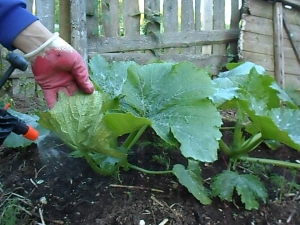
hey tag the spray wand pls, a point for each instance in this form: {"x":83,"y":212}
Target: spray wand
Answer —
{"x":8,"y":122}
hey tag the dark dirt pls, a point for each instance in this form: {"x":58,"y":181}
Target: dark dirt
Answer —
{"x":57,"y":189}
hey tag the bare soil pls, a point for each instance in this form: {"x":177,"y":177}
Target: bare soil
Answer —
{"x":55,"y":189}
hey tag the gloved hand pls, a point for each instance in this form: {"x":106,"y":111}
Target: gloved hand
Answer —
{"x":57,"y":66}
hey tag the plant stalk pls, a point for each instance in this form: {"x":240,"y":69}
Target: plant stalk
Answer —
{"x":250,"y":144}
{"x":150,"y":171}
{"x":270,"y":161}
{"x":224,"y":147}
{"x":133,"y":137}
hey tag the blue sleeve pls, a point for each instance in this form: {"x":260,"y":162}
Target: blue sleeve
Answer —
{"x":14,"y":18}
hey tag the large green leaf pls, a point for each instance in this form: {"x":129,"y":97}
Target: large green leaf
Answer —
{"x":77,"y":120}
{"x":280,"y":124}
{"x":175,"y":98}
{"x":191,"y":179}
{"x":252,"y":81}
{"x":109,"y":76}
{"x":248,"y":186}
{"x":226,"y":91}
{"x":124,"y":123}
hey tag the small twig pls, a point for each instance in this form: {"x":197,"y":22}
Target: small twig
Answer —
{"x":163,"y":222}
{"x":164,"y":204}
{"x":158,"y":202}
{"x":289,"y":219}
{"x":33,"y":182}
{"x":41,"y":216}
{"x":153,"y":216}
{"x":136,"y":187}
{"x":37,"y":172}
{"x":48,"y":220}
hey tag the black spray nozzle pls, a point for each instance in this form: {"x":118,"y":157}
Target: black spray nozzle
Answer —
{"x":10,"y":123}
{"x":16,"y":62}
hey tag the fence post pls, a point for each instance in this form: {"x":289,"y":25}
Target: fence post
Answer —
{"x":78,"y":27}
{"x":278,"y":44}
{"x":45,"y":11}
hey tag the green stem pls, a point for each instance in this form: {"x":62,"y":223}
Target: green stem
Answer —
{"x":92,"y":164}
{"x":270,"y":161}
{"x":133,"y":137}
{"x":227,"y":128}
{"x":150,"y":171}
{"x":224,"y":147}
{"x":250,"y":144}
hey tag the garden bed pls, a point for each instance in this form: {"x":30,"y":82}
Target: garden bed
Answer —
{"x":57,"y":189}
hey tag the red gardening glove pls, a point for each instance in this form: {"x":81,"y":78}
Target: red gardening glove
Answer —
{"x":57,"y":66}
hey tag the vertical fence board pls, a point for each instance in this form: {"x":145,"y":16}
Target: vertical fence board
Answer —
{"x":92,"y":19}
{"x":207,"y":21}
{"x":45,"y":10}
{"x":152,"y":13}
{"x":78,"y":25}
{"x":64,"y":20}
{"x":278,"y":44}
{"x":198,"y":22}
{"x":170,"y":15}
{"x":110,"y":17}
{"x":153,"y":22}
{"x":219,"y":24}
{"x":131,"y":17}
{"x":187,"y":21}
{"x":234,"y":23}
{"x":29,"y":5}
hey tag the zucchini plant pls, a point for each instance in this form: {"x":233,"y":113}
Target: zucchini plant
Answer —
{"x":181,"y":103}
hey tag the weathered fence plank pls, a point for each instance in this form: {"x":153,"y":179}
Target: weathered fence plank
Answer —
{"x":29,"y":4}
{"x":234,"y":24}
{"x":207,"y":18}
{"x":92,"y":19}
{"x":78,"y":25}
{"x":170,"y":24}
{"x":292,"y":40}
{"x":278,"y":44}
{"x":110,"y":17}
{"x":45,"y":10}
{"x":131,"y":17}
{"x":182,"y":39}
{"x":264,"y":9}
{"x":65,"y":20}
{"x":198,"y":22}
{"x":187,"y":22}
{"x":219,"y":24}
{"x":199,"y":60}
{"x":152,"y":15}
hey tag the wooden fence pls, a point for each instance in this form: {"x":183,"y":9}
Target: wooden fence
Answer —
{"x":146,"y":30}
{"x":270,"y":36}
